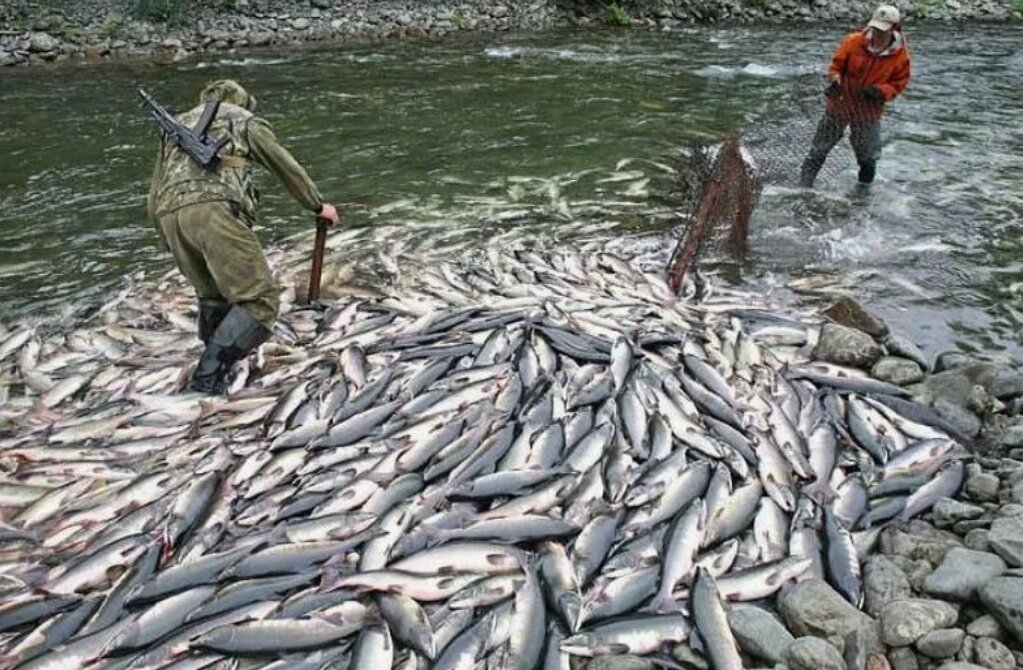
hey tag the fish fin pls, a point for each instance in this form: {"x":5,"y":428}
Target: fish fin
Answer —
{"x":618,"y":648}
{"x":664,"y":603}
{"x":330,"y":578}
{"x":820,"y":492}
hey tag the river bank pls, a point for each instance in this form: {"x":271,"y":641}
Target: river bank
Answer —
{"x":40,"y":31}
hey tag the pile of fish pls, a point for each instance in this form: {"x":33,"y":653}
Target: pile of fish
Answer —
{"x":508,"y":462}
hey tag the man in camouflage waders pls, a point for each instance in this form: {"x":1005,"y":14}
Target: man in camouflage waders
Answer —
{"x":205,"y":217}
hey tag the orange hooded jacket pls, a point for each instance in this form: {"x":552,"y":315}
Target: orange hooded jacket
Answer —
{"x":857,"y":68}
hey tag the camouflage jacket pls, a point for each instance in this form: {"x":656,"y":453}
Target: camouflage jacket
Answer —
{"x":178,"y":181}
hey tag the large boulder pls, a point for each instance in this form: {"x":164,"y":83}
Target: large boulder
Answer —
{"x":812,"y":607}
{"x":42,"y":43}
{"x":849,"y":313}
{"x":846,"y":346}
{"x":961,"y":573}
{"x":905,"y":621}
{"x":1003,"y":598}
{"x":758,"y":632}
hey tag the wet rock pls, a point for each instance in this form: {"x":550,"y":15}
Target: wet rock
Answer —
{"x":898,"y":371}
{"x":301,"y":23}
{"x":941,"y":643}
{"x":42,"y":43}
{"x":1010,"y":435}
{"x":812,"y":607}
{"x":1006,"y":384}
{"x":961,"y":573}
{"x":813,"y":653}
{"x":902,"y":346}
{"x":992,"y":654}
{"x":905,"y":621}
{"x":950,"y":360}
{"x":849,"y":313}
{"x":961,"y":418}
{"x":982,"y":486}
{"x":984,"y":626}
{"x":883,"y":582}
{"x":947,"y":512}
{"x":1006,"y":539}
{"x":620,"y":663}
{"x":846,"y":346}
{"x":758,"y":632}
{"x":1003,"y":598}
{"x":322,"y":4}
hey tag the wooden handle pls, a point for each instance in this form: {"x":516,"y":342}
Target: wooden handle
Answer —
{"x":317,"y":269}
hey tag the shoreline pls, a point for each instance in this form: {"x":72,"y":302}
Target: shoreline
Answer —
{"x":98,"y":30}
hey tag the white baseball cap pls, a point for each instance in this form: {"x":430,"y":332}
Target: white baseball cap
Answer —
{"x":884,"y":18}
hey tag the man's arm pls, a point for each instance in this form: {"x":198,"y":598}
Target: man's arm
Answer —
{"x":836,"y":71}
{"x":154,"y":184}
{"x":899,"y":80}
{"x":269,"y":153}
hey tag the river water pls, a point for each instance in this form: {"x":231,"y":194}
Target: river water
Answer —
{"x":445,"y":145}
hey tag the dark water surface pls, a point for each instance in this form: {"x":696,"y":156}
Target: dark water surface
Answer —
{"x":454,"y":141}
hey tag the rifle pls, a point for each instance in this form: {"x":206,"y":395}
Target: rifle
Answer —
{"x":193,"y":141}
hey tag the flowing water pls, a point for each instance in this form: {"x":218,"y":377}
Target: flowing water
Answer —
{"x":443,"y":146}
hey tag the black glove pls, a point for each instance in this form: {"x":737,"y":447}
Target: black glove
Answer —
{"x":873,"y":93}
{"x":834,"y":90}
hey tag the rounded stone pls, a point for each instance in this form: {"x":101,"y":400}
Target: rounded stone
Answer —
{"x":898,"y":371}
{"x":846,"y":346}
{"x":961,"y":573}
{"x":905,"y":621}
{"x":984,"y":626}
{"x":813,"y":653}
{"x":1003,"y":598}
{"x":992,"y":654}
{"x":941,"y":643}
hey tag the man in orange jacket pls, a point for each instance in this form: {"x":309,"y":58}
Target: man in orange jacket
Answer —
{"x":870,"y":68}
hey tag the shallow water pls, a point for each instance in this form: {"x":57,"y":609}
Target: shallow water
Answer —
{"x":440,"y":146}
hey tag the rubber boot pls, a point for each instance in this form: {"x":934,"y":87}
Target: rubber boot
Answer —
{"x":237,"y":335}
{"x":808,"y":173}
{"x":867,"y":171}
{"x":211,"y":313}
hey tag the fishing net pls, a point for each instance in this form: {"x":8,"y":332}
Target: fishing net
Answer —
{"x":721,"y":184}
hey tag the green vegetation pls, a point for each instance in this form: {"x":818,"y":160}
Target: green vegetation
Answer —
{"x":618,"y":15}
{"x":1019,"y":6}
{"x":113,"y":27}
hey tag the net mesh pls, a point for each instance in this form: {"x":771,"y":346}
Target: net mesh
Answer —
{"x":720,"y":185}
